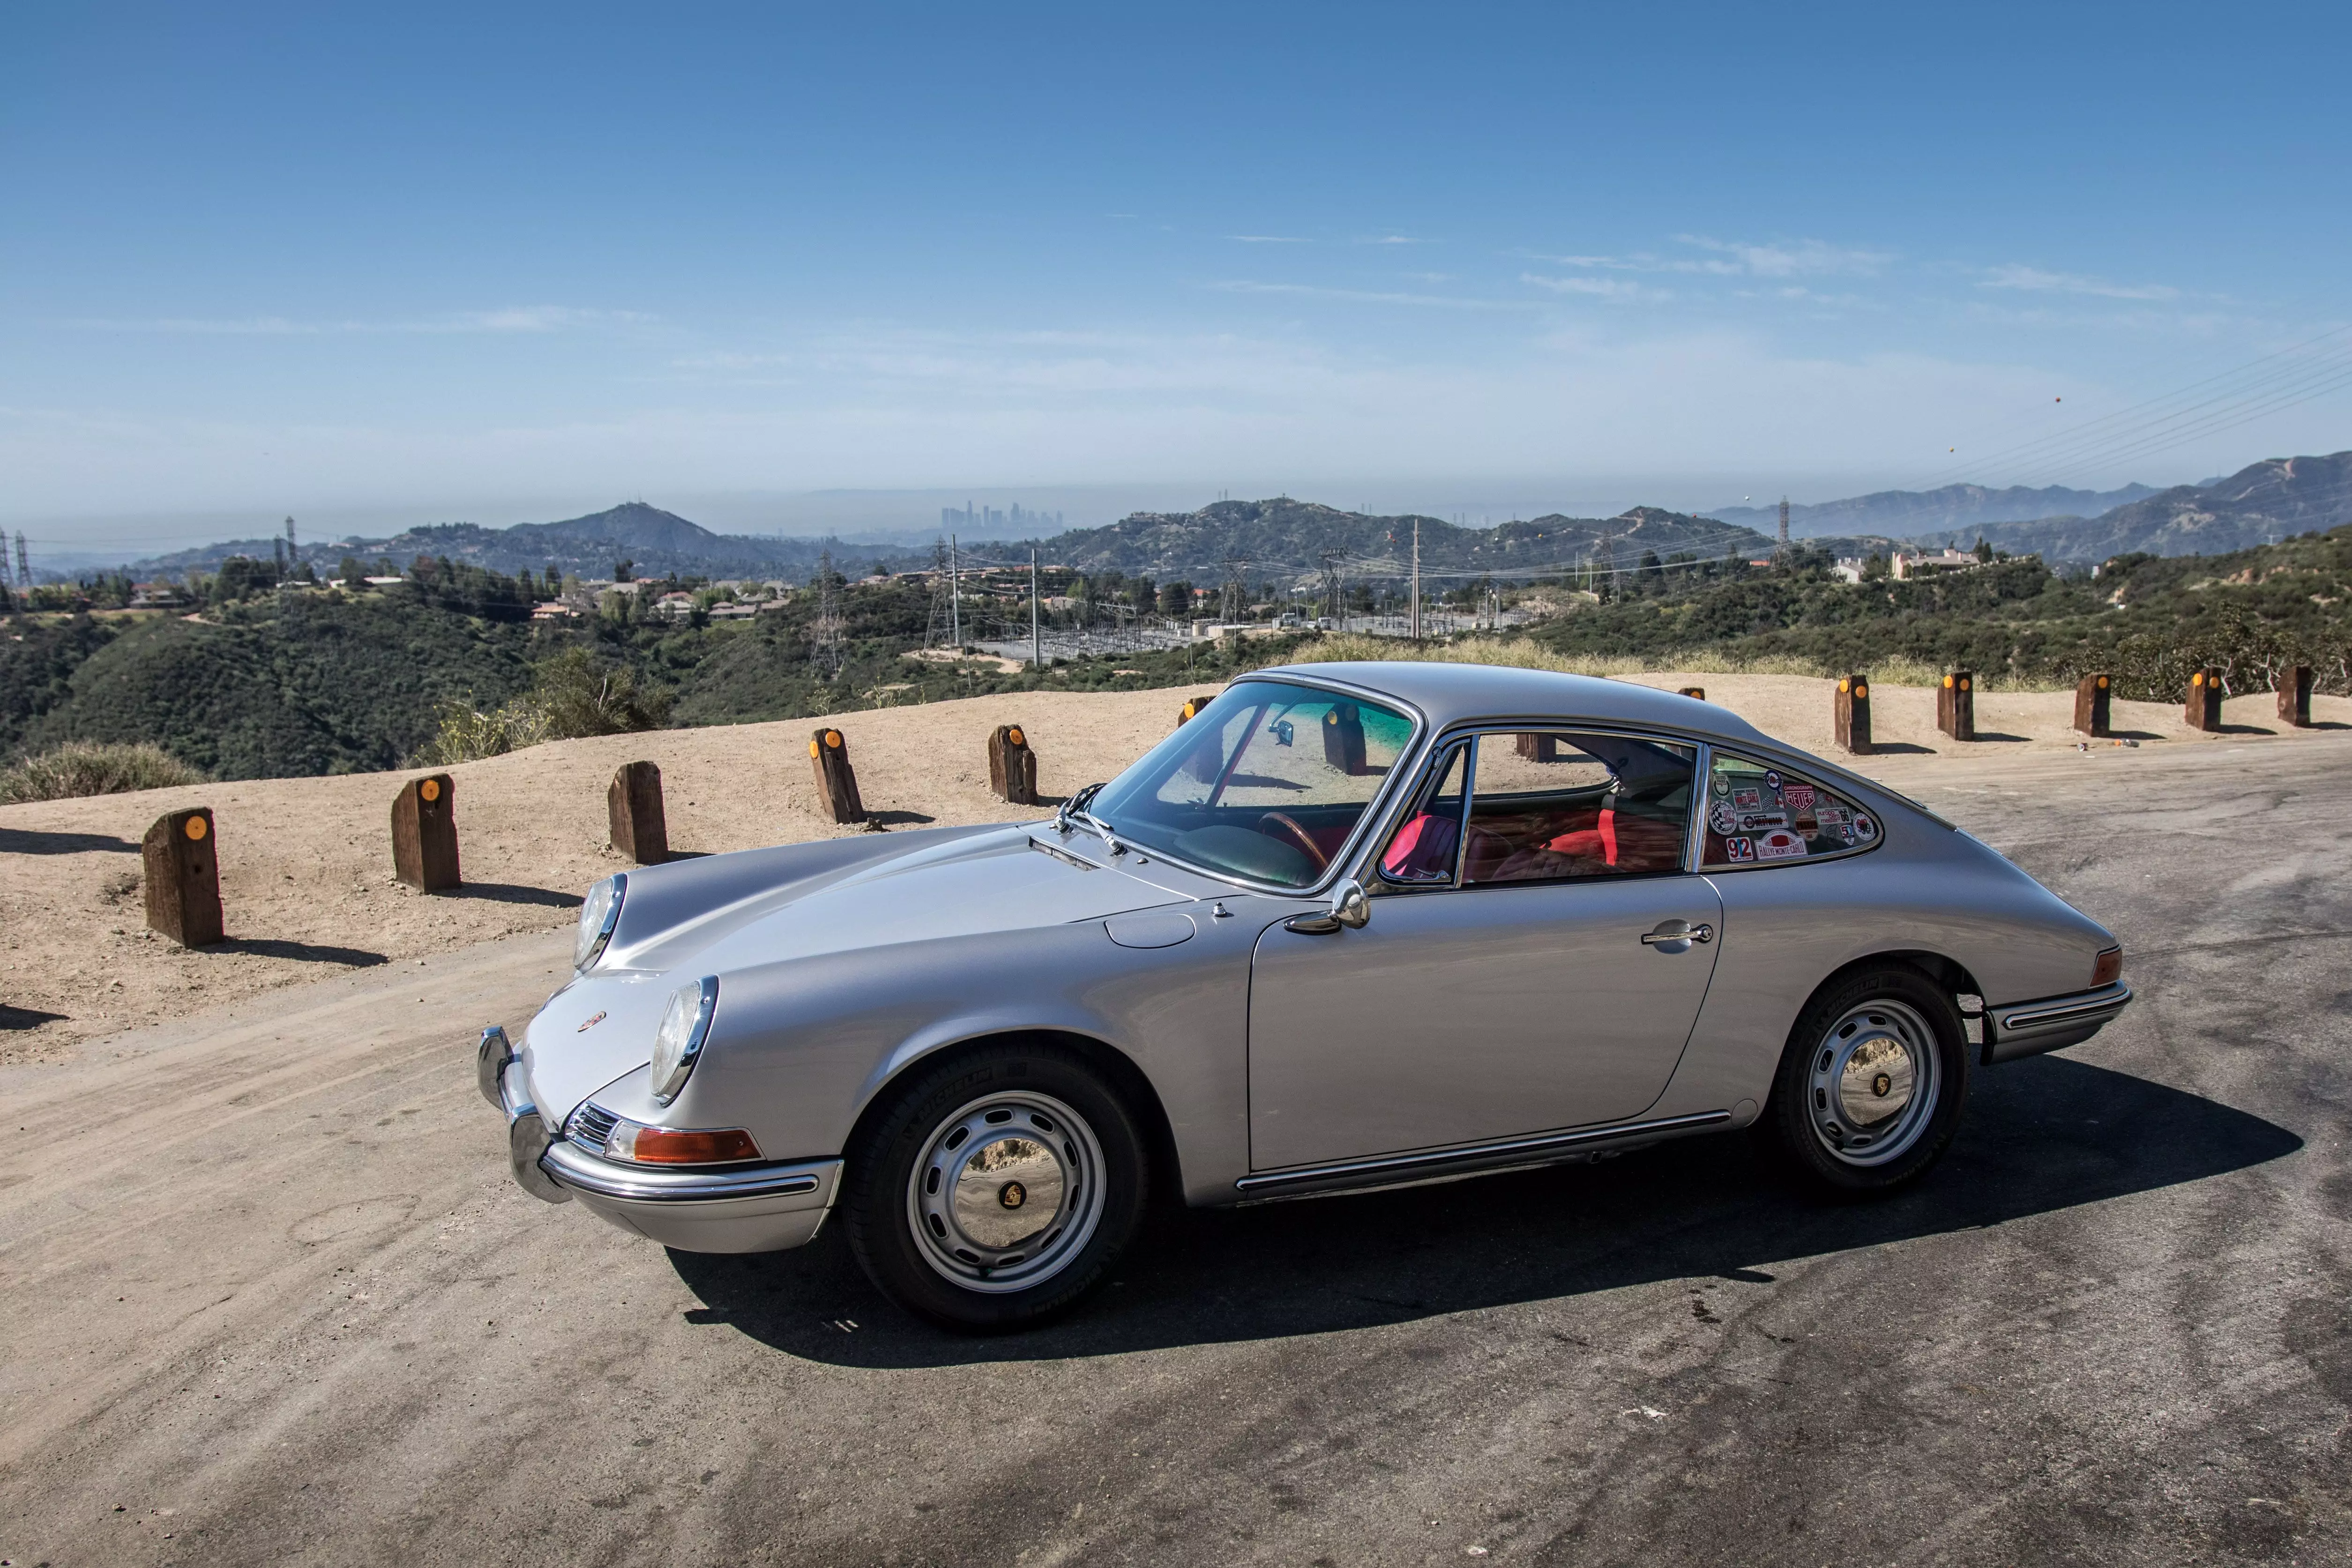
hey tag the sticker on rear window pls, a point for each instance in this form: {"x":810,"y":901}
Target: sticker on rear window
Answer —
{"x":1748,"y":800}
{"x":1798,"y":797}
{"x":1739,"y":849}
{"x":1779,"y":845}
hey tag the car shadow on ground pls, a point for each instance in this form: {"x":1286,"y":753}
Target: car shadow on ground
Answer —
{"x":32,"y":841}
{"x":513,"y":893}
{"x":2040,"y":1136}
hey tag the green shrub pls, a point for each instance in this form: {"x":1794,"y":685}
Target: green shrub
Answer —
{"x":571,"y":695}
{"x":81,"y":768}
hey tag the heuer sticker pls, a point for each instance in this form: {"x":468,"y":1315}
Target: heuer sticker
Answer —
{"x":1739,"y":849}
{"x":1832,"y":816}
{"x":1779,"y":845}
{"x":1863,"y":825}
{"x":1747,"y":800}
{"x":1756,"y":821}
{"x":1722,"y":818}
{"x":1798,"y":798}
{"x":1773,"y":780}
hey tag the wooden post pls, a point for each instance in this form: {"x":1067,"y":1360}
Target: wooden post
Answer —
{"x":2295,"y":696}
{"x":1343,"y":738}
{"x":2091,"y":701}
{"x":1192,"y":706}
{"x":1537,"y":747}
{"x":1012,"y":767}
{"x":1955,"y":705}
{"x":2204,"y":708}
{"x":183,"y":878}
{"x":836,"y":785}
{"x":1696,"y":692}
{"x":424,"y":834}
{"x":1851,"y":714}
{"x":633,"y":805}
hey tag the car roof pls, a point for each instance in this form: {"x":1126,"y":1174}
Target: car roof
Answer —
{"x":1450,"y":694}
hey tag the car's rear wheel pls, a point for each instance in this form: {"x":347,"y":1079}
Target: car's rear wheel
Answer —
{"x":1870,"y":1087}
{"x":997,"y":1188}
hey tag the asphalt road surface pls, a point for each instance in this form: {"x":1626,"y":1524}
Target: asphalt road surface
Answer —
{"x":270,"y":1296}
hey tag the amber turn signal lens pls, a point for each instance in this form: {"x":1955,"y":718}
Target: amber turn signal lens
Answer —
{"x":2109,"y":967}
{"x":708,"y":1146}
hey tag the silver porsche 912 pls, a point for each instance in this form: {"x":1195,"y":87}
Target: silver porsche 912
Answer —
{"x":1352,"y":926}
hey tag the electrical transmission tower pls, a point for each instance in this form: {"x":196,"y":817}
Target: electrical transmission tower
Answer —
{"x":24,"y":562}
{"x":1236,"y":595}
{"x":941,"y":629}
{"x":1334,"y":564}
{"x":825,"y":634}
{"x":1783,"y":553}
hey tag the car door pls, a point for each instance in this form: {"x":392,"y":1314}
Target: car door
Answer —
{"x":1534,"y":959}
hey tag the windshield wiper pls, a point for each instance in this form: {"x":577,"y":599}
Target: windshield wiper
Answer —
{"x":1074,"y":809}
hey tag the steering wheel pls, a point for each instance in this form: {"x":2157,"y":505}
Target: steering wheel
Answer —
{"x":1298,"y":835}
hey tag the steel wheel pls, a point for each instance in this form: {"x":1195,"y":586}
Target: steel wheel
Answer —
{"x":1007,"y":1192}
{"x":1871,"y":1085}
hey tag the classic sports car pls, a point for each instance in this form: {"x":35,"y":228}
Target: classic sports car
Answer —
{"x":1352,"y":926}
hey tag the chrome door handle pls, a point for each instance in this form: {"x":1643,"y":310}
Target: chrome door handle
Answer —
{"x":1700,"y":932}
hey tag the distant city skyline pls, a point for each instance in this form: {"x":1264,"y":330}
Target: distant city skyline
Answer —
{"x":339,"y":264}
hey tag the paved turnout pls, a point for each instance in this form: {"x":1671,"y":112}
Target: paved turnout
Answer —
{"x":270,"y":1298}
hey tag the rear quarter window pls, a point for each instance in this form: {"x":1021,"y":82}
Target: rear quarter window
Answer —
{"x":1758,"y":813}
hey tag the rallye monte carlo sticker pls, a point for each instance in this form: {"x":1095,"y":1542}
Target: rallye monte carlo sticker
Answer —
{"x":1779,"y":845}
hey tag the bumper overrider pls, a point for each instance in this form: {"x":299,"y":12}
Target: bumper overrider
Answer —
{"x":738,"y":1208}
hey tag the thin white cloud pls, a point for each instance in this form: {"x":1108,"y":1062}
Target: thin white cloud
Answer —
{"x":1271,"y":238}
{"x":1599,"y":288}
{"x":511,"y":319}
{"x":1391,"y":239}
{"x":2034,"y":280}
{"x":1788,"y":260}
{"x":1368,"y":296}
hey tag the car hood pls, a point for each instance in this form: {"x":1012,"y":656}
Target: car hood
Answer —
{"x":601,"y":1026}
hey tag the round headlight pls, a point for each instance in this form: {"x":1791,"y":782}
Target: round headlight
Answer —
{"x":686,"y":1022}
{"x":599,"y":912}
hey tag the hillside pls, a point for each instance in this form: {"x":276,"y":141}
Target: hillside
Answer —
{"x":1909,"y":515}
{"x":1284,"y":539}
{"x":654,"y":541}
{"x":2274,"y":499}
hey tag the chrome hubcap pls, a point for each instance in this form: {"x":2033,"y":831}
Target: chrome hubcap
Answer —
{"x":1008,"y":1191}
{"x":1873,"y":1087}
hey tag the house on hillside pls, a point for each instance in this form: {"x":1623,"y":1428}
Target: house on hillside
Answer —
{"x":157,"y":596}
{"x":672,"y":607}
{"x":1913,"y":563}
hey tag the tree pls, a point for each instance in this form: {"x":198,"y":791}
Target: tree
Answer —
{"x":1874,"y":567}
{"x":1176,"y":598}
{"x":1984,"y":550}
{"x":621,"y":569}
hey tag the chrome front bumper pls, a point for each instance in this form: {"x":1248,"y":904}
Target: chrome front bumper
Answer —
{"x":758,"y":1208}
{"x":2029,"y":1028}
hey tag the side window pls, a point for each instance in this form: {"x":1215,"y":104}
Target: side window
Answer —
{"x":1423,"y":850}
{"x":1554,"y":804}
{"x":1757,"y":813}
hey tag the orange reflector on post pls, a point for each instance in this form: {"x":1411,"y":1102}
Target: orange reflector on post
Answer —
{"x":195,"y":829}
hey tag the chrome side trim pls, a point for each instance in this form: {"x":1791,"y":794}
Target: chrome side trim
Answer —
{"x":2078,"y":1008}
{"x":1512,"y":1149}
{"x":1058,"y":853}
{"x":573,"y":1167}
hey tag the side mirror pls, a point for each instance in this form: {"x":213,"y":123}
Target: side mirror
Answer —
{"x":1350,"y":908}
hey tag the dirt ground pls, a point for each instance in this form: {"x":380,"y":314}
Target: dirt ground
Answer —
{"x":306,"y":864}
{"x":273,"y":1297}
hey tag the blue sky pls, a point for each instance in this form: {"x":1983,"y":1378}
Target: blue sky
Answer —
{"x":494,"y":262}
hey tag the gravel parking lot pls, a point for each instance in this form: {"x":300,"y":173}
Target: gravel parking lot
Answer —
{"x":271,"y":1298}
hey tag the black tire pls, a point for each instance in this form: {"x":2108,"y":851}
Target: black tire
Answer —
{"x":937,"y":1183}
{"x":1862,"y":1045}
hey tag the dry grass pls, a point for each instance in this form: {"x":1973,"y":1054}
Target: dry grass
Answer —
{"x":1519,"y":653}
{"x":81,"y":768}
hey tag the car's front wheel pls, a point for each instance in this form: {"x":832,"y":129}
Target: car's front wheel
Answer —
{"x":1870,"y":1087}
{"x":996,"y":1188}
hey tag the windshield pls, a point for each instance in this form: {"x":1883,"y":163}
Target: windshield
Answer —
{"x":1267,"y":783}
